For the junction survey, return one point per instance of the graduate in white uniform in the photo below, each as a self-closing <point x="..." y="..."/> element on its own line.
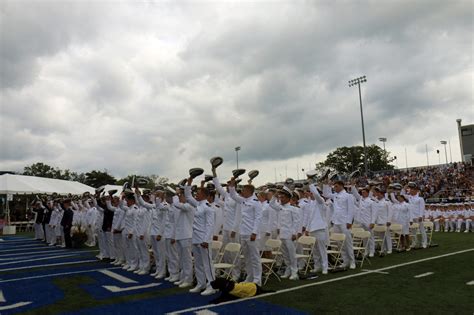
<point x="142" y="225"/>
<point x="402" y="214"/>
<point x="157" y="229"/>
<point x="203" y="227"/>
<point x="230" y="212"/>
<point x="469" y="215"/>
<point x="131" y="252"/>
<point x="117" y="229"/>
<point x="289" y="228"/>
<point x="417" y="205"/>
<point x="316" y="226"/>
<point x="183" y="237"/>
<point x="383" y="215"/>
<point x="343" y="205"/>
<point x="172" y="258"/>
<point x="366" y="215"/>
<point x="250" y="214"/>
<point x="266" y="223"/>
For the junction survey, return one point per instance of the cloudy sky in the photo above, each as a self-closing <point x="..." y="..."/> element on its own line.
<point x="158" y="87"/>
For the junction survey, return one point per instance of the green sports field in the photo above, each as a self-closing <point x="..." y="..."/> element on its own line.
<point x="428" y="281"/>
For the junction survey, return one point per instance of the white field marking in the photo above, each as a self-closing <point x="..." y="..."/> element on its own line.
<point x="49" y="253"/>
<point x="33" y="253"/>
<point x="21" y="240"/>
<point x="319" y="283"/>
<point x="29" y="247"/>
<point x="16" y="305"/>
<point x="56" y="274"/>
<point x="23" y="250"/>
<point x="25" y="245"/>
<point x="49" y="265"/>
<point x="36" y="259"/>
<point x="424" y="275"/>
<point x="381" y="272"/>
<point x="2" y="297"/>
<point x="206" y="312"/>
<point x="470" y="282"/>
<point x="115" y="289"/>
<point x="116" y="276"/>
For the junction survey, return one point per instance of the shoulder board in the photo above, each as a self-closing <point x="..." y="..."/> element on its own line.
<point x="255" y="199"/>
<point x="207" y="204"/>
<point x="217" y="206"/>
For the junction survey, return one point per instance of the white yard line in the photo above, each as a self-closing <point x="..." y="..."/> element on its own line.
<point x="2" y="297"/>
<point x="56" y="274"/>
<point x="34" y="253"/>
<point x="470" y="282"/>
<point x="49" y="253"/>
<point x="193" y="309"/>
<point x="49" y="265"/>
<point x="115" y="289"/>
<point x="25" y="245"/>
<point x="16" y="305"/>
<point x="28" y="247"/>
<point x="23" y="250"/>
<point x="20" y="240"/>
<point x="424" y="275"/>
<point x="36" y="259"/>
<point x="116" y="276"/>
<point x="381" y="272"/>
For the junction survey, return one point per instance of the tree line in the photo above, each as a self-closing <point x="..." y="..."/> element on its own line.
<point x="344" y="160"/>
<point x="95" y="178"/>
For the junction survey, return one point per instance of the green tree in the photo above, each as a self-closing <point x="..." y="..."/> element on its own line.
<point x="43" y="170"/>
<point x="98" y="178"/>
<point x="348" y="159"/>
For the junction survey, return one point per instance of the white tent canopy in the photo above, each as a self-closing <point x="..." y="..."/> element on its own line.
<point x="20" y="184"/>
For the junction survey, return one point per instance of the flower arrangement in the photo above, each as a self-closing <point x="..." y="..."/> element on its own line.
<point x="78" y="235"/>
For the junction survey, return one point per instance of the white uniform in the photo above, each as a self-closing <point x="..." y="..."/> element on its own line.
<point x="183" y="237"/>
<point x="203" y="225"/>
<point x="117" y="227"/>
<point x="250" y="212"/>
<point x="157" y="229"/>
<point x="142" y="223"/>
<point x="131" y="251"/>
<point x="172" y="259"/>
<point x="383" y="215"/>
<point x="417" y="205"/>
<point x="343" y="205"/>
<point x="289" y="227"/>
<point x="265" y="225"/>
<point x="230" y="213"/>
<point x="316" y="226"/>
<point x="366" y="217"/>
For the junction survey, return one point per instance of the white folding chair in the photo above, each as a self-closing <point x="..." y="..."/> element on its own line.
<point x="379" y="235"/>
<point x="336" y="243"/>
<point x="216" y="251"/>
<point x="269" y="263"/>
<point x="396" y="232"/>
<point x="227" y="268"/>
<point x="307" y="242"/>
<point x="360" y="241"/>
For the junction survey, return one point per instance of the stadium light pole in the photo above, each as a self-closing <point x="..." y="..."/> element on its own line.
<point x="358" y="81"/>
<point x="383" y="140"/>
<point x="444" y="142"/>
<point x="237" y="149"/>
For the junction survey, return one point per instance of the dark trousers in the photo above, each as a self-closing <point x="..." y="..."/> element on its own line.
<point x="67" y="237"/>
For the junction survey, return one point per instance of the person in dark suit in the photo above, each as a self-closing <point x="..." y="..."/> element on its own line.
<point x="66" y="222"/>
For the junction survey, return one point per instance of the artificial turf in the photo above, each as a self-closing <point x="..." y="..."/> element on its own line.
<point x="444" y="291"/>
